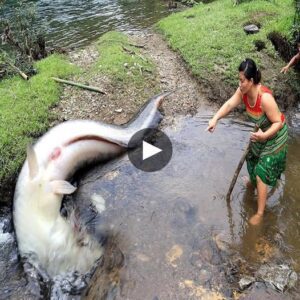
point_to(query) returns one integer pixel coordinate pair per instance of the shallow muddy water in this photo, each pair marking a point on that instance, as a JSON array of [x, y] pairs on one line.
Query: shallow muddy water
[[172, 222], [179, 236]]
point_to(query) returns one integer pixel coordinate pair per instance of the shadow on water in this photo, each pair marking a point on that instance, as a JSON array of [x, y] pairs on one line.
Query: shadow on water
[[179, 236]]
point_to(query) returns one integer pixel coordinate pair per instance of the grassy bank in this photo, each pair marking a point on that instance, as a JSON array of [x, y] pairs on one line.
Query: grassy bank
[[122, 61], [24, 107], [211, 39]]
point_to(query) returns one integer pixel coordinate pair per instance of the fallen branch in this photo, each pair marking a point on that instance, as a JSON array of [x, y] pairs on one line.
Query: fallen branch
[[22, 74], [137, 46], [7, 60], [128, 50], [87, 87], [134, 53]]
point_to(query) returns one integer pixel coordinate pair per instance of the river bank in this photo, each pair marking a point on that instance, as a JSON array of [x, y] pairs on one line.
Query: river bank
[[121, 101], [210, 56], [215, 78]]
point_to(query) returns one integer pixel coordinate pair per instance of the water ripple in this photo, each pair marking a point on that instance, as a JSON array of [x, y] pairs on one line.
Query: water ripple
[[77, 23]]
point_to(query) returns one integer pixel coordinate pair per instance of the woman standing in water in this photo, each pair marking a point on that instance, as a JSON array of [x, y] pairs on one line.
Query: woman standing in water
[[267, 156]]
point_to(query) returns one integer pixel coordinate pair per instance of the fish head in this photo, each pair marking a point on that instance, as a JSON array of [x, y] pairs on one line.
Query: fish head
[[37, 190]]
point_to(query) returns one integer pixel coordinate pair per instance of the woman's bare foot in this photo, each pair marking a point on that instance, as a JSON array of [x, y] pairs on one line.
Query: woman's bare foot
[[256, 219], [247, 182]]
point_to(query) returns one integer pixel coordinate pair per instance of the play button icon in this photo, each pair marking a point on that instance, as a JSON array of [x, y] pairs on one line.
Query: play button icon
[[149, 150]]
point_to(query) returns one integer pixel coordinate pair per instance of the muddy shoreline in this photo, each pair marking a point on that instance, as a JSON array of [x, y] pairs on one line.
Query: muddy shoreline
[[120, 103]]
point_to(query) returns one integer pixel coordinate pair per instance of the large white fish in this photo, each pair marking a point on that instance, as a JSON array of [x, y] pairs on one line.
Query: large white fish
[[50, 241]]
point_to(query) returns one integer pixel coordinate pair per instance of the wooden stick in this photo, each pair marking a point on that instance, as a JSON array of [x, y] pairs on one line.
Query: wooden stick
[[128, 50], [237, 171], [87, 87], [137, 46], [22, 74], [239, 167], [230, 220], [7, 60]]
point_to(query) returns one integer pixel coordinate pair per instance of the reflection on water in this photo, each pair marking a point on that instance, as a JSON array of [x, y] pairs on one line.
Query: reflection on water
[[76, 23], [171, 219]]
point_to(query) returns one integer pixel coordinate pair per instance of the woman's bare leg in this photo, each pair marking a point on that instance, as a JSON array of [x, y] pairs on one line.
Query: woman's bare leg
[[262, 192]]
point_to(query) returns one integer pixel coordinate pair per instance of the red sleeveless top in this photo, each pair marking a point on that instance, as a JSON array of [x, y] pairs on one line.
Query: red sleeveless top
[[255, 112]]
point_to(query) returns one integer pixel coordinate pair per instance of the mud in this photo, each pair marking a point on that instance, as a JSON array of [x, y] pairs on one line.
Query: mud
[[121, 102]]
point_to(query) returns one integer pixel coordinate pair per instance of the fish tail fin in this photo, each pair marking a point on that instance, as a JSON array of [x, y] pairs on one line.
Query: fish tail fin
[[149, 115]]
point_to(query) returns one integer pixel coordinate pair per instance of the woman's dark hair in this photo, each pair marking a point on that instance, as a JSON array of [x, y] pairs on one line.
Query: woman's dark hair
[[248, 66]]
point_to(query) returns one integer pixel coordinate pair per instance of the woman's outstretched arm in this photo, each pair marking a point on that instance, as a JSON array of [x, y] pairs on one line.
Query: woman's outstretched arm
[[225, 109]]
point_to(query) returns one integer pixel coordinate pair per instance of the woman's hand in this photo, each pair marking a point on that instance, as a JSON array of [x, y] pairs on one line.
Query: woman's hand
[[258, 136], [284, 69], [212, 123]]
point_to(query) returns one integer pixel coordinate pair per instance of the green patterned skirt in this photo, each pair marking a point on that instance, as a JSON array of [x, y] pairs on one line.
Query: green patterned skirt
[[270, 164], [268, 168]]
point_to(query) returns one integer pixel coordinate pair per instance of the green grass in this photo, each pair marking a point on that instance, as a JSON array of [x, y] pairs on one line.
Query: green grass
[[24, 105], [121, 60], [24, 110], [211, 39]]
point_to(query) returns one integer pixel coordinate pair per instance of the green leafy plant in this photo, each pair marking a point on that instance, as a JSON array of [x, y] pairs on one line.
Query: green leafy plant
[[296, 24], [21, 42]]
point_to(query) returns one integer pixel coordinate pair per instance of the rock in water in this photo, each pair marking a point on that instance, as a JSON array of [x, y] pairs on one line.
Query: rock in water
[[279, 277]]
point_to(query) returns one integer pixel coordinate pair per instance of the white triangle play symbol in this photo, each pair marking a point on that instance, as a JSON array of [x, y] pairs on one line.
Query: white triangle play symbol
[[149, 150]]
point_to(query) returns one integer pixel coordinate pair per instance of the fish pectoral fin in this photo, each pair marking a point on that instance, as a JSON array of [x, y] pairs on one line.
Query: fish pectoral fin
[[62, 187], [32, 162]]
